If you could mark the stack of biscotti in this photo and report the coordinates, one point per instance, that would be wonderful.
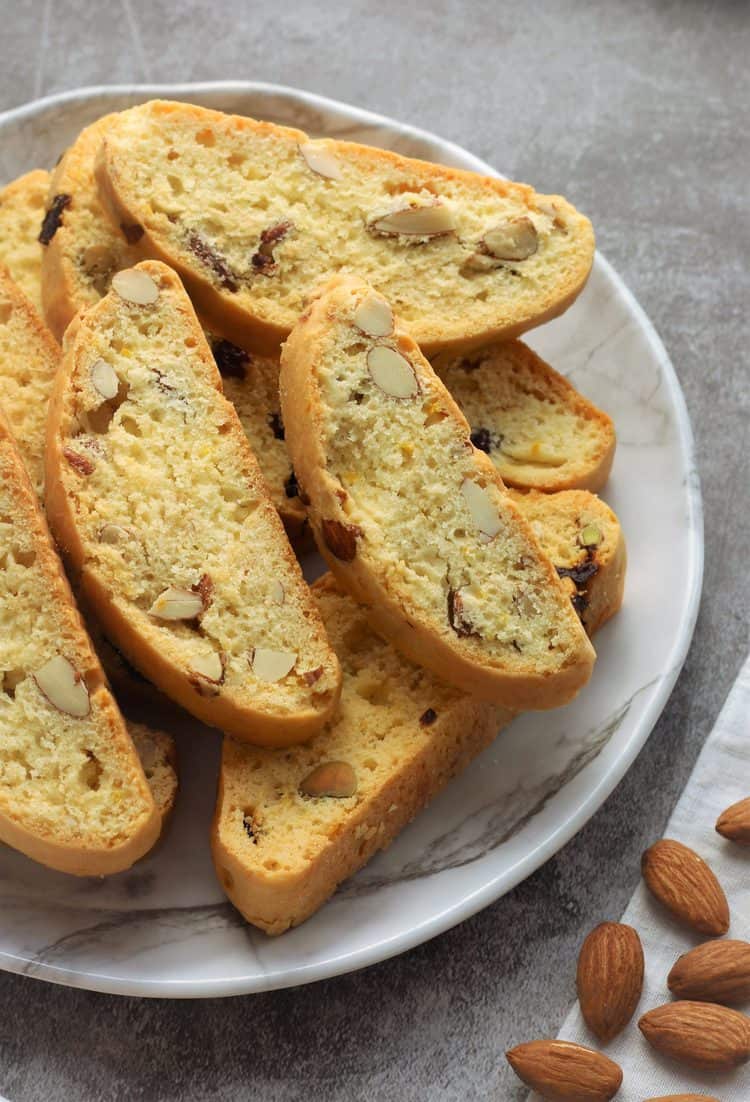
(398, 466)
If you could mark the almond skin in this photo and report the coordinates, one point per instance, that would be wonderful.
(564, 1072)
(609, 978)
(702, 1035)
(734, 823)
(684, 883)
(716, 972)
(683, 1098)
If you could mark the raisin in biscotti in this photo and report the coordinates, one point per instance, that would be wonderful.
(536, 428)
(81, 248)
(254, 216)
(289, 827)
(159, 505)
(72, 791)
(582, 538)
(412, 519)
(21, 212)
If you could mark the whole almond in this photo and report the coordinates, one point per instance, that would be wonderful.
(684, 883)
(734, 823)
(563, 1072)
(683, 1098)
(702, 1035)
(609, 978)
(715, 972)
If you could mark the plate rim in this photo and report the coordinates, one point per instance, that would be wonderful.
(578, 816)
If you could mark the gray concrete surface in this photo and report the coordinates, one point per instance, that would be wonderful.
(636, 111)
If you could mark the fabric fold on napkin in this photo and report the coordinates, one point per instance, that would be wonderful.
(721, 777)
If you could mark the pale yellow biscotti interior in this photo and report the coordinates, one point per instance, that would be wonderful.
(398, 730)
(158, 756)
(536, 428)
(29, 359)
(239, 203)
(412, 483)
(62, 776)
(167, 498)
(21, 212)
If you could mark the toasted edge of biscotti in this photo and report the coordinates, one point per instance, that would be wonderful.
(361, 546)
(501, 388)
(217, 289)
(146, 646)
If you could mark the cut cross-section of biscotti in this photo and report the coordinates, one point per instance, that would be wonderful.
(21, 212)
(81, 248)
(251, 383)
(159, 505)
(158, 756)
(535, 426)
(29, 357)
(72, 791)
(582, 538)
(254, 216)
(413, 520)
(289, 827)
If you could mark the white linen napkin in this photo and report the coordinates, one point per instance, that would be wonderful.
(721, 777)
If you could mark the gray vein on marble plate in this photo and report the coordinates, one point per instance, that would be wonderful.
(508, 813)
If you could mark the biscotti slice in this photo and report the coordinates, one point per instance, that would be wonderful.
(159, 505)
(413, 520)
(582, 538)
(537, 429)
(21, 211)
(158, 756)
(81, 248)
(72, 791)
(289, 827)
(251, 383)
(29, 357)
(254, 216)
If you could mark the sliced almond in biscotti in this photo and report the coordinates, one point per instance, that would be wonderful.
(414, 521)
(72, 791)
(253, 217)
(189, 595)
(81, 248)
(21, 212)
(535, 426)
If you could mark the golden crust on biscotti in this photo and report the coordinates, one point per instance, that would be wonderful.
(21, 212)
(413, 521)
(254, 216)
(161, 511)
(29, 358)
(81, 248)
(400, 734)
(72, 791)
(583, 540)
(537, 429)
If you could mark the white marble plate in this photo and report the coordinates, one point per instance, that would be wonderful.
(165, 928)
